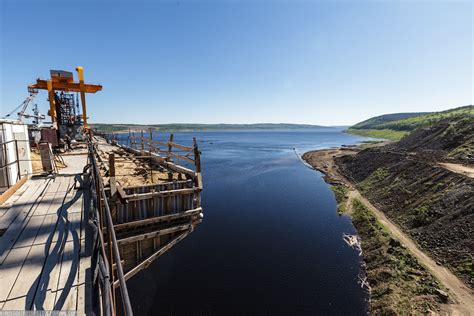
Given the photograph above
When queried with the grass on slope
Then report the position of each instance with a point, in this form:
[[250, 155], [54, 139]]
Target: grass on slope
[[412, 123], [378, 133], [395, 126]]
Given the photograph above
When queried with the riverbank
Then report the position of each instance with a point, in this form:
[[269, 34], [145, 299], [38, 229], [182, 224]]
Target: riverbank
[[402, 278]]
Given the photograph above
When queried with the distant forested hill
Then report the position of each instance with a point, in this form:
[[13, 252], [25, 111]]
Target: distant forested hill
[[395, 126], [202, 127]]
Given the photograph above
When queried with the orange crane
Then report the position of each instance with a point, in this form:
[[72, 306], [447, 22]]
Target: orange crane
[[64, 81]]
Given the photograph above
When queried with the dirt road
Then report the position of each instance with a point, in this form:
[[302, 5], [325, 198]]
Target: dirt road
[[458, 168], [463, 295]]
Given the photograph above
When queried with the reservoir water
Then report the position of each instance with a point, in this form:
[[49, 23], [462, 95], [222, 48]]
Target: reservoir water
[[271, 240]]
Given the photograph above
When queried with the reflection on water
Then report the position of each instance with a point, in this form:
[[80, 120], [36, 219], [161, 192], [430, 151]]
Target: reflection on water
[[271, 239]]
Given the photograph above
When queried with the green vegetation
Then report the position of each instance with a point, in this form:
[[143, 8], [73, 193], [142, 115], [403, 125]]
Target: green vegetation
[[396, 126], [400, 285], [178, 127], [467, 268], [460, 134], [374, 122], [378, 133], [340, 191], [374, 179]]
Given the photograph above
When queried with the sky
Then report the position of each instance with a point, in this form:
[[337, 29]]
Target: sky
[[312, 62]]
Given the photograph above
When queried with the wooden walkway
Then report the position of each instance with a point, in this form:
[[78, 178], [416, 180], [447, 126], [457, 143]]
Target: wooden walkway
[[44, 259]]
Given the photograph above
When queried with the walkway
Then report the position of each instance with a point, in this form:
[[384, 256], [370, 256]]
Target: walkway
[[43, 259]]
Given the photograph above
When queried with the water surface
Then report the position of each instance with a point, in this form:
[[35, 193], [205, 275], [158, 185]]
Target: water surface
[[270, 241]]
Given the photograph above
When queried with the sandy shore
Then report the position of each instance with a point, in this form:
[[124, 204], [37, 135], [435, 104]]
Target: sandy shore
[[323, 161]]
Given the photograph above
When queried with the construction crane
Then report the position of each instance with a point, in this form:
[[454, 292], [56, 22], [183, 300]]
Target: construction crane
[[62, 104], [36, 116], [23, 106]]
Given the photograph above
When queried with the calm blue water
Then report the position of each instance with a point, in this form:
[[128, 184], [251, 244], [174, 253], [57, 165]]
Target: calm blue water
[[271, 239]]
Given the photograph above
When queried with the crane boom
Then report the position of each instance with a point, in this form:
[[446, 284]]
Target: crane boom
[[23, 106]]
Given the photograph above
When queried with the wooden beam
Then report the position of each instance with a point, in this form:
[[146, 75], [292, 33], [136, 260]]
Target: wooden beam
[[145, 196], [160, 232], [146, 263], [8, 193], [162, 161], [156, 220], [112, 180], [180, 146], [121, 194], [182, 158], [199, 180], [157, 184]]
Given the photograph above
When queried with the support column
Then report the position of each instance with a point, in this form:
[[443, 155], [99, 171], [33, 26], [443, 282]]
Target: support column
[[52, 104], [80, 73]]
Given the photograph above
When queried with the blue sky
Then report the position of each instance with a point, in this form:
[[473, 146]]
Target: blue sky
[[316, 62]]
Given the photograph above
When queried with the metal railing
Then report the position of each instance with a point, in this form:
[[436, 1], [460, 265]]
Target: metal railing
[[4, 164], [106, 258]]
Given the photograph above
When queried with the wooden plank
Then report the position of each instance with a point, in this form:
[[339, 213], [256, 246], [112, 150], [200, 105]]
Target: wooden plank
[[21, 203], [167, 193], [162, 161], [26, 206], [185, 158], [5, 207], [156, 184], [62, 249], [156, 220], [66, 296], [186, 148], [18, 256], [8, 193], [10, 269], [84, 298], [52, 243], [23, 292], [146, 263], [160, 232], [33, 232]]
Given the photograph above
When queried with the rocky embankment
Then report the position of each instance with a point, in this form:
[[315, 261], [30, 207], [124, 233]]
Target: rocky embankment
[[434, 205]]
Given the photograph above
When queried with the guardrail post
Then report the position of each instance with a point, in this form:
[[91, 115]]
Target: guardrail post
[[112, 180], [197, 156], [170, 147], [151, 137], [17, 160], [150, 149], [5, 167]]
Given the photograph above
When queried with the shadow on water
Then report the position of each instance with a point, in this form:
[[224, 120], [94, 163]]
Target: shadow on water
[[37, 293]]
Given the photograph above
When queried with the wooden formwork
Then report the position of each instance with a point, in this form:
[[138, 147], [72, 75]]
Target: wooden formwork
[[150, 218]]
